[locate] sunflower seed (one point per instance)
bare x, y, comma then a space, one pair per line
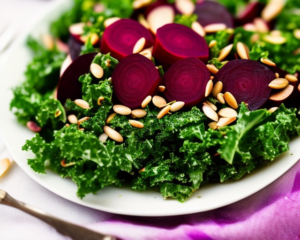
209, 87
186, 7
291, 78
138, 113
211, 77
227, 113
143, 21
212, 68
122, 110
225, 121
260, 25
167, 104
197, 27
48, 41
273, 109
213, 125
161, 88
103, 137
297, 33
217, 88
113, 134
81, 103
275, 40
163, 112
158, 101
230, 100
176, 106
96, 70
212, 43
275, 33
140, 3
77, 28
279, 83
147, 53
213, 106
82, 120
4, 166
94, 38
250, 27
72, 119
110, 21
267, 62
283, 94
110, 118
242, 50
254, 38
220, 98
224, 52
272, 10
140, 44
160, 16
32, 126
136, 124
277, 75
210, 113
215, 27
99, 101
146, 101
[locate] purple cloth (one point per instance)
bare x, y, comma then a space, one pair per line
272, 213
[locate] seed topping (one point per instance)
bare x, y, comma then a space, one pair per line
197, 27
217, 88
227, 113
260, 25
212, 68
161, 88
136, 124
242, 51
113, 134
279, 83
147, 53
267, 62
122, 110
291, 78
138, 113
273, 109
140, 44
158, 101
110, 118
103, 137
210, 113
96, 70
220, 97
224, 52
215, 27
176, 106
225, 121
283, 94
272, 10
143, 21
81, 103
146, 101
164, 112
230, 100
212, 43
72, 119
275, 39
213, 106
213, 125
209, 87
110, 21
33, 126
99, 101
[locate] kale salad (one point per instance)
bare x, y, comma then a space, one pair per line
165, 95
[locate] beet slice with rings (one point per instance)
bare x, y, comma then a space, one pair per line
69, 87
247, 81
186, 81
120, 38
175, 42
212, 12
135, 78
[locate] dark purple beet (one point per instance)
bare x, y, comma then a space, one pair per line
212, 12
186, 81
175, 42
74, 47
135, 78
120, 37
247, 81
69, 86
251, 11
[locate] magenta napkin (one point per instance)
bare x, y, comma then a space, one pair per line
272, 213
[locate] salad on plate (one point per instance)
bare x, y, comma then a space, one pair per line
165, 95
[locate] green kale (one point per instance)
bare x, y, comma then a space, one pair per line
222, 38
185, 20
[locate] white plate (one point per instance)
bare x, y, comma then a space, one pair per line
112, 199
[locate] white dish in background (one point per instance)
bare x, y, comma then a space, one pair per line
113, 199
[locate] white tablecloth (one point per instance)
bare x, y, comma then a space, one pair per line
15, 225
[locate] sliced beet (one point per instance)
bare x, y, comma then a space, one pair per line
186, 81
212, 12
247, 81
135, 78
120, 37
249, 13
175, 42
74, 47
69, 87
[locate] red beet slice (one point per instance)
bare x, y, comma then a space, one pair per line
186, 81
247, 81
212, 12
135, 78
120, 37
69, 87
175, 42
249, 13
